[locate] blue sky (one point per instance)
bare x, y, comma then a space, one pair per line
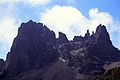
73, 17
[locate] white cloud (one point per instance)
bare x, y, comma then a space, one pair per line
65, 19
8, 31
38, 2
96, 17
31, 2
71, 21
114, 30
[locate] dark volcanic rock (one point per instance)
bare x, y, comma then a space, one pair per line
2, 68
2, 63
32, 48
36, 54
102, 37
78, 38
87, 35
86, 38
102, 46
91, 52
62, 38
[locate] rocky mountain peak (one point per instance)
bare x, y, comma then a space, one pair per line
101, 28
87, 34
78, 38
102, 34
82, 39
36, 54
32, 48
37, 30
102, 37
62, 38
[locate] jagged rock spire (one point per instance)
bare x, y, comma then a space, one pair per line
36, 48
62, 38
102, 36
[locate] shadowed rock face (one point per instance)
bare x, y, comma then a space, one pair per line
102, 46
2, 63
36, 54
91, 52
32, 48
62, 38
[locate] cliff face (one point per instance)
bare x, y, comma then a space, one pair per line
2, 64
90, 53
36, 54
62, 38
32, 48
102, 46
